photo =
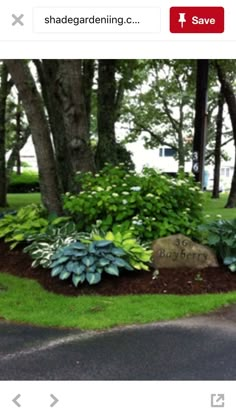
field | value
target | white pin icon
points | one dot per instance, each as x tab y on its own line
182	19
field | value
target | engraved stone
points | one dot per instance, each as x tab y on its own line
179	251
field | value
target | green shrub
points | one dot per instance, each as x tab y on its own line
27	181
45	245
138	256
86	262
28	220
149	204
221	236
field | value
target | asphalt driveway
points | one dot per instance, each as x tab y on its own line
198	348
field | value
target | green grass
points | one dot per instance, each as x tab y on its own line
214	207
18	200
24	300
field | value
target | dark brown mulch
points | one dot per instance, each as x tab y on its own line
169	281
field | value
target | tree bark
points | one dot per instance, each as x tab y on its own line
106	114
200	127
48	74
75	116
230	99
34	110
219	126
3	99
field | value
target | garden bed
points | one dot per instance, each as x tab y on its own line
169	281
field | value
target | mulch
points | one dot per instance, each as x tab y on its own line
169	281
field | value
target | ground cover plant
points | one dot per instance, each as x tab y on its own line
149	204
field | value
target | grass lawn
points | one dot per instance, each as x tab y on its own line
18	200
214	207
23	300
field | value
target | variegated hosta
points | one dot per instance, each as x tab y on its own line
86	262
44	245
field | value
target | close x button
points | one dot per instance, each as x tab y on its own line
197	19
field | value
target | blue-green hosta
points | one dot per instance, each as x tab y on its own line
87	261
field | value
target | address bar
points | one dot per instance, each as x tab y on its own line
96	20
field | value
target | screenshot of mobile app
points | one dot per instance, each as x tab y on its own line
117	209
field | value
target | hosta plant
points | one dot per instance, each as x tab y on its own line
15	228
138	256
221	236
44	245
86	262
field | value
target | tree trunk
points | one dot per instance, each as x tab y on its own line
230	99
106	114
219	126
34	110
48	75
200	127
3	99
75	116
15	151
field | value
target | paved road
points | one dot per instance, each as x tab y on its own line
199	348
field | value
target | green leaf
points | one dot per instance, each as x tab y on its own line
70	266
78	269
88	260
57	270
112	270
76	279
103	262
103	243
64	275
118	251
93	277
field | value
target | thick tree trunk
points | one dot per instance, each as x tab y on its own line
106	113
34	110
48	74
219	126
75	117
3	99
230	99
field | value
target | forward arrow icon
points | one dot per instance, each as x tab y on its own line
55	400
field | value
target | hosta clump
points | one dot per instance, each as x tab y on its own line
221	236
86	262
138	256
150	204
15	228
44	245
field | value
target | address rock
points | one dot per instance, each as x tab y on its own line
179	251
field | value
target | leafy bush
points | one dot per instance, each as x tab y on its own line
27	181
138	255
149	204
86	262
221	236
45	245
28	220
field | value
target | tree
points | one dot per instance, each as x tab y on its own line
218	136
34	109
162	110
200	126
230	99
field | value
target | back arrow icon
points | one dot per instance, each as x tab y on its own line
55	400
15	400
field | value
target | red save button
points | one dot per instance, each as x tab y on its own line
196	19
